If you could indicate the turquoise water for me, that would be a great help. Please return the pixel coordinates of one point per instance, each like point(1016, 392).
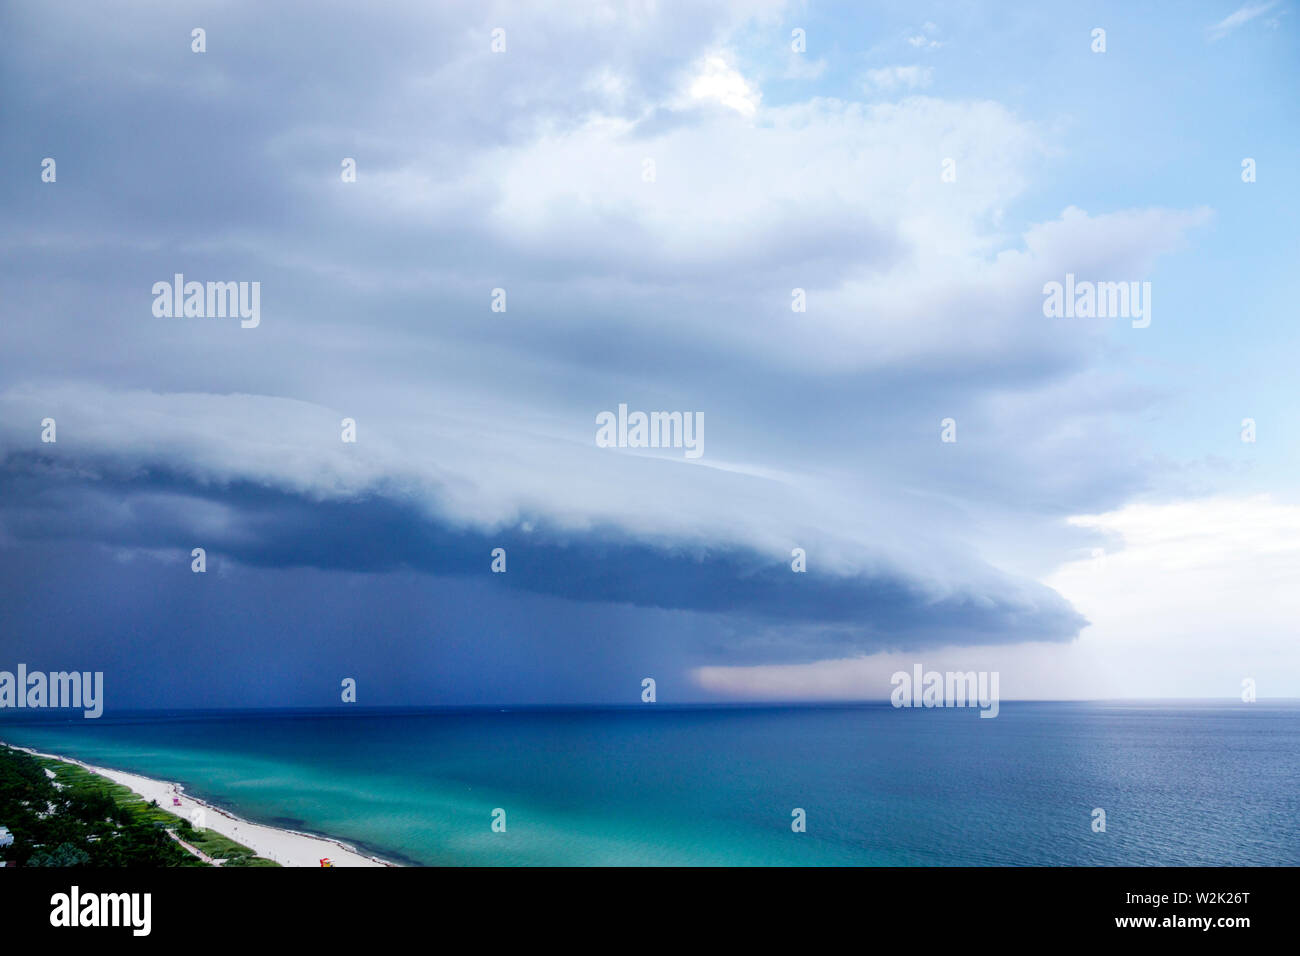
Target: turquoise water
point(1185, 783)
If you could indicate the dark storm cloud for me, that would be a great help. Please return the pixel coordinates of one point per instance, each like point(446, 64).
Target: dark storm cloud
point(524, 171)
point(375, 534)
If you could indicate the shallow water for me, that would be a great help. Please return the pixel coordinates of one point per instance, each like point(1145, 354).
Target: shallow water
point(1181, 783)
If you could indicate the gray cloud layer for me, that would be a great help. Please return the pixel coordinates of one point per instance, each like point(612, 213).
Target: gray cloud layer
point(524, 171)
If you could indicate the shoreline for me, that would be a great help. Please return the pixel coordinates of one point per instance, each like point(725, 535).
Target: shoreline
point(279, 844)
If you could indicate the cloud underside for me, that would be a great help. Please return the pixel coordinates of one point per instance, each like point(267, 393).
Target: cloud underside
point(527, 172)
point(166, 514)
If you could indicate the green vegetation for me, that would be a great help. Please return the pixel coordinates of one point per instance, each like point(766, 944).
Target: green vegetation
point(87, 820)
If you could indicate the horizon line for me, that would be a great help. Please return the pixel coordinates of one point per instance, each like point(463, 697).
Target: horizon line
point(61, 715)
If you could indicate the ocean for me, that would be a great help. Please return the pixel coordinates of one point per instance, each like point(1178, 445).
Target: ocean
point(1181, 783)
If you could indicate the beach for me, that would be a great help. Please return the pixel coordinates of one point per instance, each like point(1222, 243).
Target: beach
point(286, 847)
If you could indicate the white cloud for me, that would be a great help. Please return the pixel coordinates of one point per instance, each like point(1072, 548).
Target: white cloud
point(923, 42)
point(800, 67)
point(1195, 596)
point(892, 78)
point(1238, 18)
point(1189, 598)
point(718, 81)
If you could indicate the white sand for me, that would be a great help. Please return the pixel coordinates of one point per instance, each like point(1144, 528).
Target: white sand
point(286, 847)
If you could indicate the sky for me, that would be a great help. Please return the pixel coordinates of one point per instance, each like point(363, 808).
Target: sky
point(822, 231)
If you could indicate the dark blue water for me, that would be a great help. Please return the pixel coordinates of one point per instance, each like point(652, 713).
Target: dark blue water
point(1185, 783)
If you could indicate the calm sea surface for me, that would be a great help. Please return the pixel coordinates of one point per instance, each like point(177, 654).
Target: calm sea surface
point(1181, 783)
